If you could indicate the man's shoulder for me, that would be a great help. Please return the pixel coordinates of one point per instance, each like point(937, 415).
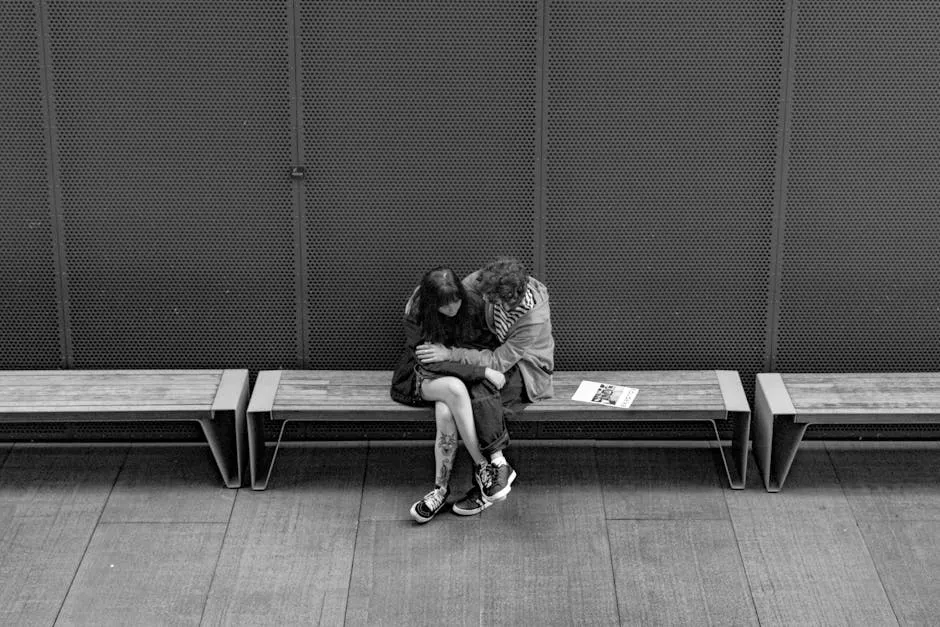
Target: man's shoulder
point(539, 289)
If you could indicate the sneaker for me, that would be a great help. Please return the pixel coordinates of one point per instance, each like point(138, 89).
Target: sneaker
point(503, 476)
point(483, 476)
point(495, 481)
point(428, 507)
point(470, 504)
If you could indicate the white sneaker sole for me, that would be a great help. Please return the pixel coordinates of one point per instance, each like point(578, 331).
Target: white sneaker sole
point(502, 494)
point(469, 512)
point(419, 518)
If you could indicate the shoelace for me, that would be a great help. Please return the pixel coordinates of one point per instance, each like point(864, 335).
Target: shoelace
point(434, 499)
point(487, 473)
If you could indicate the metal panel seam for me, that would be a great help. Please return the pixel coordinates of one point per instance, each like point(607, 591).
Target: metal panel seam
point(300, 256)
point(779, 225)
point(58, 228)
point(538, 253)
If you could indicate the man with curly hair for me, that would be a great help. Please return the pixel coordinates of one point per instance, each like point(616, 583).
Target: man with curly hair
point(518, 315)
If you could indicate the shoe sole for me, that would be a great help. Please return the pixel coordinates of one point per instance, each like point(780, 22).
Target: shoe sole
point(500, 496)
point(468, 512)
point(421, 519)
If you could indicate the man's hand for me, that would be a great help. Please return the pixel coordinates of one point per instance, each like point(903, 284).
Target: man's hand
point(496, 377)
point(432, 353)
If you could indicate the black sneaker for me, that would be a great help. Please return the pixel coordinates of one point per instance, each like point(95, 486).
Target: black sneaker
point(470, 504)
point(483, 476)
point(503, 476)
point(428, 507)
point(495, 481)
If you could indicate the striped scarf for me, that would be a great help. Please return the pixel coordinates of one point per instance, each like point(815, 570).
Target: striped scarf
point(503, 319)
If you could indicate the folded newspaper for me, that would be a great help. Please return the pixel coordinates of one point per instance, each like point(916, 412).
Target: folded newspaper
point(605, 394)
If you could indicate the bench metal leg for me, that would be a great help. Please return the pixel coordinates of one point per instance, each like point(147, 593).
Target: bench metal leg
point(222, 435)
point(739, 413)
point(776, 440)
point(763, 436)
point(787, 436)
point(740, 446)
point(260, 468)
point(735, 471)
point(777, 435)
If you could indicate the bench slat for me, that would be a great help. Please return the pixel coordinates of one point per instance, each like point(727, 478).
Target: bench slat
point(69, 374)
point(59, 406)
point(90, 395)
point(628, 378)
point(835, 399)
point(851, 415)
point(847, 377)
point(639, 377)
point(59, 413)
point(367, 413)
point(857, 404)
point(377, 400)
point(876, 408)
point(865, 384)
point(139, 380)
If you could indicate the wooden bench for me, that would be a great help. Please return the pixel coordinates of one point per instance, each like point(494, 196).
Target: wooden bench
point(292, 395)
point(786, 404)
point(216, 399)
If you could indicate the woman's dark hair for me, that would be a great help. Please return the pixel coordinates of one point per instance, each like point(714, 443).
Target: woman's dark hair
point(440, 287)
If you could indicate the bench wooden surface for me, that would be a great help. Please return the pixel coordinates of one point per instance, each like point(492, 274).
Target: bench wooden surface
point(363, 395)
point(786, 404)
point(216, 399)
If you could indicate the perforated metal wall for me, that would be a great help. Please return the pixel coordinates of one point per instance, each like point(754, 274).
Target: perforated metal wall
point(662, 135)
point(860, 282)
point(173, 132)
point(420, 130)
point(30, 335)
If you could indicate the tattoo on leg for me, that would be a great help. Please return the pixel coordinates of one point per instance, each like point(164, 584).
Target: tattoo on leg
point(447, 445)
point(443, 475)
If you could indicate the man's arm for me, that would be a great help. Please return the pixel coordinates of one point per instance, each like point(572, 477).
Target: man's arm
point(467, 372)
point(501, 358)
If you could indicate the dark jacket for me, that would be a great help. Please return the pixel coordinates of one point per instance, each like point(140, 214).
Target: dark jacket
point(403, 377)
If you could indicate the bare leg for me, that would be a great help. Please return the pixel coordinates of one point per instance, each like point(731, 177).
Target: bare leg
point(453, 393)
point(445, 448)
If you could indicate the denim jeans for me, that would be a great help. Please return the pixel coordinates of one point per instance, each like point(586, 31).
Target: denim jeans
point(491, 408)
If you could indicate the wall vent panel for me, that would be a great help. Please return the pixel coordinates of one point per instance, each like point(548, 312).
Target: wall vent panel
point(173, 122)
point(420, 131)
point(30, 332)
point(860, 282)
point(662, 140)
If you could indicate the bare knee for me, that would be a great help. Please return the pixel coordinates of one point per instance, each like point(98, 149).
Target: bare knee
point(449, 390)
point(444, 418)
point(456, 388)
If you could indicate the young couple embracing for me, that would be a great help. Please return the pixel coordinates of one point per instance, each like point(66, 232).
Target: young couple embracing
point(478, 350)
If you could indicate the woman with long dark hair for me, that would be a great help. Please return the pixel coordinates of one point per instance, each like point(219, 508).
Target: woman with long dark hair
point(439, 312)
